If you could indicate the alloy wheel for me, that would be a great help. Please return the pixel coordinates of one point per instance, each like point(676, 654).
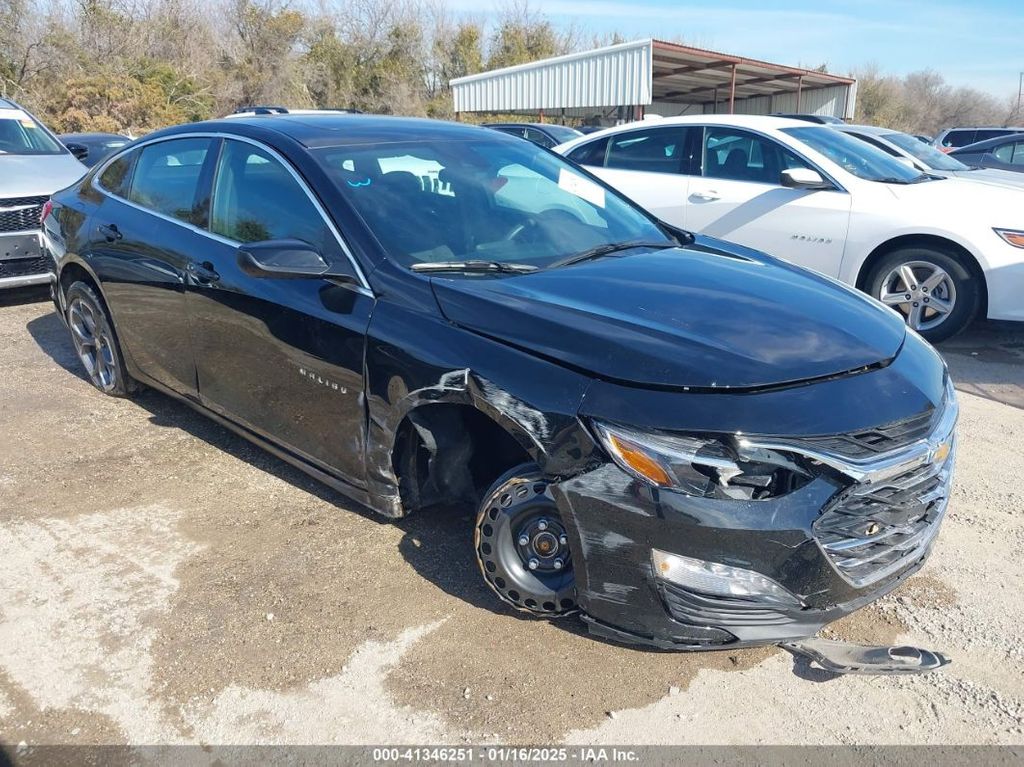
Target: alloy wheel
point(922, 292)
point(93, 344)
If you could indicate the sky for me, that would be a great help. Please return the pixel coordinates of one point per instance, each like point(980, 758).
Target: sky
point(979, 44)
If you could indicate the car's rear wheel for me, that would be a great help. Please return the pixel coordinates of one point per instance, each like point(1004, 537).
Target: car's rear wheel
point(934, 291)
point(522, 545)
point(95, 341)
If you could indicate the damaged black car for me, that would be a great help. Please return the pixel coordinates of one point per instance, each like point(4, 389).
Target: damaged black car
point(690, 444)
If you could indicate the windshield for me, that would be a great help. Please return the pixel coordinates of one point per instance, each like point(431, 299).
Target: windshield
point(854, 156)
point(926, 153)
point(561, 133)
point(502, 201)
point(21, 134)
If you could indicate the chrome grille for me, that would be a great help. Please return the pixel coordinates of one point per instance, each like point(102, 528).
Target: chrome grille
point(871, 531)
point(887, 514)
point(20, 214)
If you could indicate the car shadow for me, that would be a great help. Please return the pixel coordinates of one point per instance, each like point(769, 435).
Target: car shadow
point(19, 296)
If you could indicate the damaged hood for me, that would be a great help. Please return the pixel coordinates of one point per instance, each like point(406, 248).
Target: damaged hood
point(709, 315)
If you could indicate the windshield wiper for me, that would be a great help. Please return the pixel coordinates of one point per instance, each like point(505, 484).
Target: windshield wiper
point(607, 249)
point(476, 266)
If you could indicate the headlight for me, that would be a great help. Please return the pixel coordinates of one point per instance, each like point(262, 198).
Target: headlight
point(1014, 237)
point(707, 467)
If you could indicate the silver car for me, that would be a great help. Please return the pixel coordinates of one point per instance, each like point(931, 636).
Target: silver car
point(926, 158)
point(33, 165)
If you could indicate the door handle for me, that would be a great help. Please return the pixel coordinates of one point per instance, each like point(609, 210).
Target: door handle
point(203, 273)
point(110, 232)
point(708, 196)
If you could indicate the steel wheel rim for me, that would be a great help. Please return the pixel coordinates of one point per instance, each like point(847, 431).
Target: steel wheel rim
point(93, 344)
point(512, 512)
point(921, 291)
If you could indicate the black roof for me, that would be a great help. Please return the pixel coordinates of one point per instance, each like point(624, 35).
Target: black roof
point(321, 130)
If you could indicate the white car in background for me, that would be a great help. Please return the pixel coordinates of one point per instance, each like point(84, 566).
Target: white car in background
point(941, 251)
point(914, 153)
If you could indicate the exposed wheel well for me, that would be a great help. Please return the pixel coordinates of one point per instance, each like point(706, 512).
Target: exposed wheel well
point(450, 454)
point(925, 241)
point(73, 273)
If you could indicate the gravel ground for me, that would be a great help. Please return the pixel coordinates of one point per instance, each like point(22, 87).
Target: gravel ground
point(165, 582)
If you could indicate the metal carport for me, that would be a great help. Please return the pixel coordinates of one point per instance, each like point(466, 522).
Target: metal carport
point(652, 76)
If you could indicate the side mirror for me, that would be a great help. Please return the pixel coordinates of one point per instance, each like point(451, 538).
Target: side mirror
point(290, 259)
point(803, 178)
point(80, 151)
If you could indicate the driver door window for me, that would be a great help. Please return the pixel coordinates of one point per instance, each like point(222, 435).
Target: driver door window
point(741, 156)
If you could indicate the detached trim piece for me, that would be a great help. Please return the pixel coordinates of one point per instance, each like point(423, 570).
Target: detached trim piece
point(849, 658)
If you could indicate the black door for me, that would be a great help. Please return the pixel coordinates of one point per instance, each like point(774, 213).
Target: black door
point(282, 357)
point(142, 237)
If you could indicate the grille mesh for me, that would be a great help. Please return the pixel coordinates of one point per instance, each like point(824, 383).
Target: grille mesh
point(871, 531)
point(20, 214)
point(23, 267)
point(880, 439)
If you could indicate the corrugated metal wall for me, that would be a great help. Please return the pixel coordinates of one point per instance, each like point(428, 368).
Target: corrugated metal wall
point(835, 100)
point(613, 76)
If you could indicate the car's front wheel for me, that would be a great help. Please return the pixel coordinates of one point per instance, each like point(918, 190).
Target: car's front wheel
point(937, 295)
point(95, 341)
point(522, 545)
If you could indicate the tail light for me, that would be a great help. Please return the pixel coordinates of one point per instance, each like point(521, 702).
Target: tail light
point(46, 211)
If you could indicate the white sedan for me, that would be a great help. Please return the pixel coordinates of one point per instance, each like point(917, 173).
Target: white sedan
point(941, 251)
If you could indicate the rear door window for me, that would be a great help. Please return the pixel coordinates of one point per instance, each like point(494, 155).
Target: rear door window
point(256, 198)
point(167, 176)
point(653, 150)
point(539, 138)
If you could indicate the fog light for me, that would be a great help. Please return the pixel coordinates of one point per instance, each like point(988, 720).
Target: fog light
point(719, 580)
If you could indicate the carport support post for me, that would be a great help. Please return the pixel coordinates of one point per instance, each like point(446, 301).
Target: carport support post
point(799, 92)
point(732, 91)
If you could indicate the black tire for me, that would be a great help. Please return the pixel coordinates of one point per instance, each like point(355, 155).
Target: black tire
point(95, 341)
point(961, 289)
point(518, 507)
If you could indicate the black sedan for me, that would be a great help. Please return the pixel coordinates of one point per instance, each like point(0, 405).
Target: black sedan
point(1004, 153)
point(689, 443)
point(542, 134)
point(92, 148)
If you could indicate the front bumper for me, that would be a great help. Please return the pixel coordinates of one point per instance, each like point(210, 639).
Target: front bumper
point(23, 261)
point(838, 543)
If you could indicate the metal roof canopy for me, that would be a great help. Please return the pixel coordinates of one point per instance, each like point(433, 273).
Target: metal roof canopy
point(634, 74)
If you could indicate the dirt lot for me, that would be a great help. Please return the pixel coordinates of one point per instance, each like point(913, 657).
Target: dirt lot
point(162, 581)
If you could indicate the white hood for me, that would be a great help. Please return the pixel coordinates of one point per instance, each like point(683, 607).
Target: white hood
point(35, 175)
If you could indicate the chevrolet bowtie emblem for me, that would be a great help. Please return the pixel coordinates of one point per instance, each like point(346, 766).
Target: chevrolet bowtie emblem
point(940, 453)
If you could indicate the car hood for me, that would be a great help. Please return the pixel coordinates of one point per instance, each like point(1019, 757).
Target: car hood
point(991, 176)
point(706, 316)
point(37, 175)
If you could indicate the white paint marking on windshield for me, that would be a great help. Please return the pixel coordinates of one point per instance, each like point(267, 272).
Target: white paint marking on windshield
point(581, 187)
